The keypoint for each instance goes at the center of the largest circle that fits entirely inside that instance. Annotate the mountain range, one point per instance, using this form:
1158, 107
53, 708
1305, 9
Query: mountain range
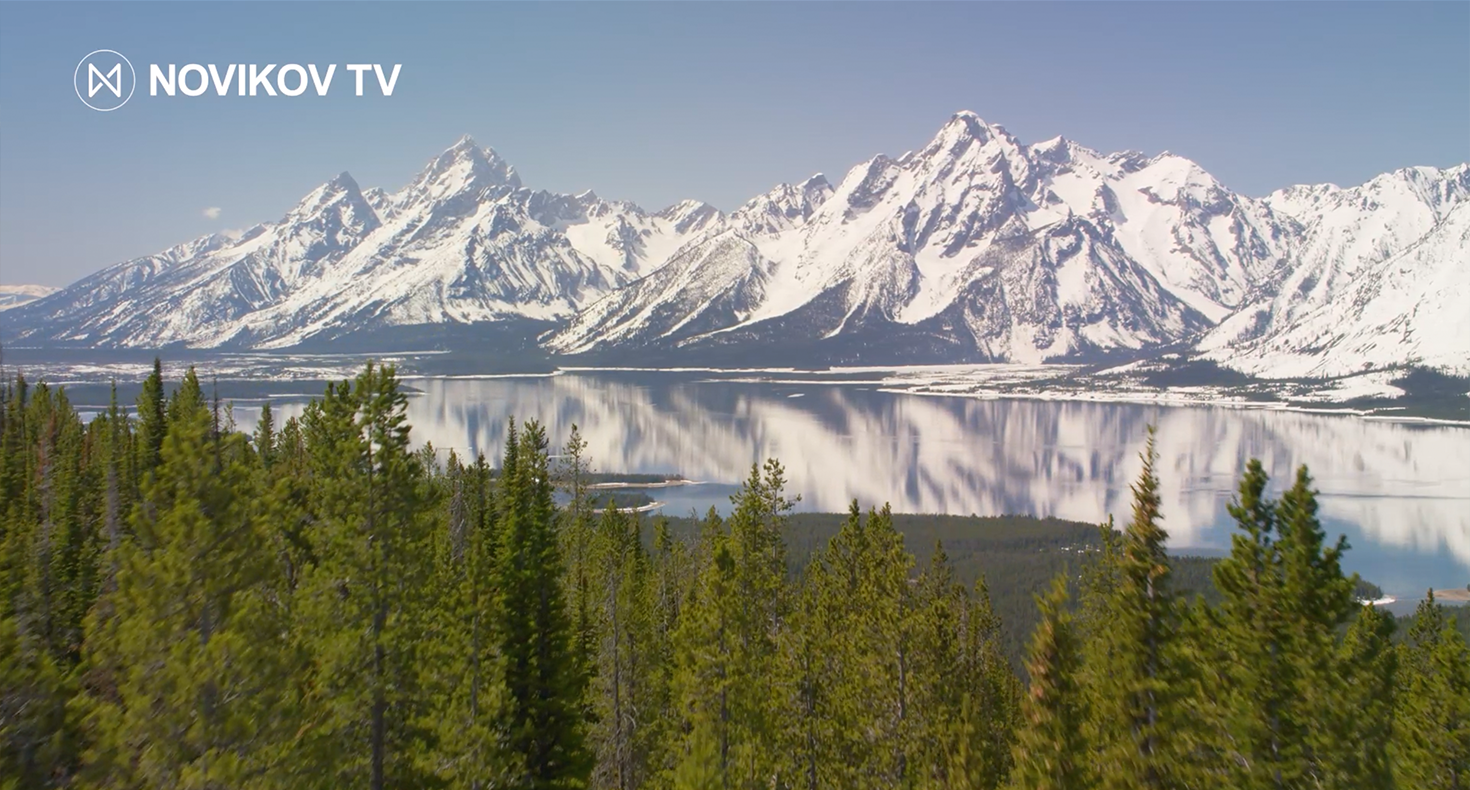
17, 295
976, 247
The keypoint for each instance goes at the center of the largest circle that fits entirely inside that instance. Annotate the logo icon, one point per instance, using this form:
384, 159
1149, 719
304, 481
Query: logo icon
105, 80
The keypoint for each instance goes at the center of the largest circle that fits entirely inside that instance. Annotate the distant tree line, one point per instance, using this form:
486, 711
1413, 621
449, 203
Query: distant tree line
321, 605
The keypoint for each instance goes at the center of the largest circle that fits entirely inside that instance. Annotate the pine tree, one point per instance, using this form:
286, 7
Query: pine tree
265, 436
50, 469
544, 677
702, 680
626, 687
1369, 665
576, 533
1261, 723
151, 420
461, 663
959, 708
1317, 602
989, 711
1431, 729
189, 640
886, 627
1050, 752
669, 584
360, 607
1132, 662
727, 639
819, 665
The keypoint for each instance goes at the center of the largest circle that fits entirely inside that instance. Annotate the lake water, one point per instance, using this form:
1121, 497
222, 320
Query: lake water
1400, 492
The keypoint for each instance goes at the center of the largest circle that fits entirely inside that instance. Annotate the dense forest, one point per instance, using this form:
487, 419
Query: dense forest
322, 605
1017, 557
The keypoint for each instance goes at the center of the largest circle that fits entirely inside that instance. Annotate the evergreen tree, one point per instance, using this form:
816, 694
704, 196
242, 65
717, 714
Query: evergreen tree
626, 684
727, 639
360, 607
669, 584
820, 664
1050, 752
1132, 662
989, 712
1319, 601
189, 641
1369, 665
702, 680
320, 605
1431, 728
1261, 725
265, 436
960, 710
461, 659
544, 677
151, 420
883, 622
50, 469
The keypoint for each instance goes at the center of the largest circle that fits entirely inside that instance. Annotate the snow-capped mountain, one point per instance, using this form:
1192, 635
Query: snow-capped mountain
1380, 277
17, 295
464, 242
975, 247
979, 247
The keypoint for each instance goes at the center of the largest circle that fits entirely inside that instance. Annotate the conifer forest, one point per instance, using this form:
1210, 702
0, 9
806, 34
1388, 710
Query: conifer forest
327, 604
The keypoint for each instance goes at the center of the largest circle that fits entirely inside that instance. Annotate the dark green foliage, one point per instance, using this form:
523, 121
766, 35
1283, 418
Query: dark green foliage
151, 423
1135, 675
1051, 752
544, 679
601, 500
1431, 729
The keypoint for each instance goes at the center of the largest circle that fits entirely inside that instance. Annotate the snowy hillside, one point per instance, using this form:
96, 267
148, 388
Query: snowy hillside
1380, 276
17, 295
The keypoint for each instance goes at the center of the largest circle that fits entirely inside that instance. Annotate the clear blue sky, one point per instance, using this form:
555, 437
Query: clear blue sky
659, 102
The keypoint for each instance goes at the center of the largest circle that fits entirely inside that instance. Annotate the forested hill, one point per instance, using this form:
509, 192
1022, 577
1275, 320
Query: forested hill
322, 605
1016, 556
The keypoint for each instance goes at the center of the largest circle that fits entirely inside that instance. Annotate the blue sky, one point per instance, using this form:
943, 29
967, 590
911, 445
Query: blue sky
719, 102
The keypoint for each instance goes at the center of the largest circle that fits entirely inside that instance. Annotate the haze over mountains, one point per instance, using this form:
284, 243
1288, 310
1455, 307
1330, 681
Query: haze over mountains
975, 247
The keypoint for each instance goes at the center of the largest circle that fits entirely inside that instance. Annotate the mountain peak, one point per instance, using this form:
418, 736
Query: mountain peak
968, 124
344, 180
463, 167
342, 188
960, 133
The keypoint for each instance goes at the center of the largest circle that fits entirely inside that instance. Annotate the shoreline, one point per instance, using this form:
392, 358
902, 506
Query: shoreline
651, 506
975, 381
1166, 398
618, 486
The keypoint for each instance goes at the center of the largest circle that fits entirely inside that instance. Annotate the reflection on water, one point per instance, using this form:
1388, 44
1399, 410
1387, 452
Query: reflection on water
1400, 492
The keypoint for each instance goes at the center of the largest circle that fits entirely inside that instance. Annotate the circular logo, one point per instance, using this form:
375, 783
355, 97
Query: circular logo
105, 80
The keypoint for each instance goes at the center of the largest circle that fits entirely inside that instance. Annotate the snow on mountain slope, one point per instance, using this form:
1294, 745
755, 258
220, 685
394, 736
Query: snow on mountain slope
1205, 244
710, 283
17, 295
975, 247
13, 296
1008, 251
1319, 320
1413, 306
464, 242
